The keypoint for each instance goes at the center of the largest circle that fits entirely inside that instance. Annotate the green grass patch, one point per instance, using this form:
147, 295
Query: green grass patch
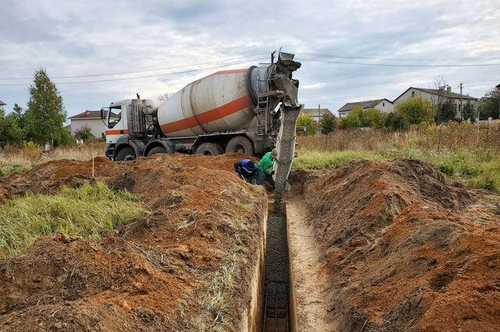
8, 169
474, 169
310, 160
85, 212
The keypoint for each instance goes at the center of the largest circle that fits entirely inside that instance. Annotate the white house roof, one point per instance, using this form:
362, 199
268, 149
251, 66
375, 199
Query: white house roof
363, 104
315, 111
2, 103
439, 92
89, 115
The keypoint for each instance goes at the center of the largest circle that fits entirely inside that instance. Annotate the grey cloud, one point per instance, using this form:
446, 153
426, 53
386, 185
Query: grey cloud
105, 36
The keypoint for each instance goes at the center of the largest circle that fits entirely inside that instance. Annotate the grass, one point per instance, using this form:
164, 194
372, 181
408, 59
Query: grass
17, 159
216, 299
462, 151
85, 212
475, 170
313, 160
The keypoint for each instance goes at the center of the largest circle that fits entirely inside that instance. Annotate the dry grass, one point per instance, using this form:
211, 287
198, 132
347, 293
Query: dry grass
14, 159
465, 152
453, 137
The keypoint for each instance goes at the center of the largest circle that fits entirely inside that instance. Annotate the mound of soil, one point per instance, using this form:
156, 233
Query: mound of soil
187, 266
404, 250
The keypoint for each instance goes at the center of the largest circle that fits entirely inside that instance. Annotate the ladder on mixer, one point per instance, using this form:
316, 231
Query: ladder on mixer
262, 115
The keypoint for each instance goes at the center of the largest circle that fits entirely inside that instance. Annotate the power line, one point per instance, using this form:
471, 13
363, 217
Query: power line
416, 65
129, 78
234, 61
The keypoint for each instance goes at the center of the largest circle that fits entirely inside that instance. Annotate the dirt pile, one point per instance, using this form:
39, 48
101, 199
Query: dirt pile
404, 250
187, 266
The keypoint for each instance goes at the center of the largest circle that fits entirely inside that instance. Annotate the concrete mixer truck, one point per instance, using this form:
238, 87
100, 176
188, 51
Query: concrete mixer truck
236, 110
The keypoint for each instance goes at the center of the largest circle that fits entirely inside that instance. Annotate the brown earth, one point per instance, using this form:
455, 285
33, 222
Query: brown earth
403, 250
187, 266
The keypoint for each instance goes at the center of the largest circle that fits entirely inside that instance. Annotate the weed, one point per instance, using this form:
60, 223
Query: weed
85, 212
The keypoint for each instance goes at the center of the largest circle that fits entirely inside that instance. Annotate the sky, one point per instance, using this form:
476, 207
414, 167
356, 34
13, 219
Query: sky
99, 51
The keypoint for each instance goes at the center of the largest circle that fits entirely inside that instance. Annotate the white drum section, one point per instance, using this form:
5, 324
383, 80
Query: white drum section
216, 103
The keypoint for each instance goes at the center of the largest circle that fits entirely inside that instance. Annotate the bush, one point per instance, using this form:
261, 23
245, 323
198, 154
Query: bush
86, 212
84, 134
446, 111
373, 118
415, 111
10, 133
489, 108
395, 121
327, 123
359, 118
308, 123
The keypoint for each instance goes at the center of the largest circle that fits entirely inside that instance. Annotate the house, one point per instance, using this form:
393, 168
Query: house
89, 119
383, 105
316, 113
2, 103
437, 96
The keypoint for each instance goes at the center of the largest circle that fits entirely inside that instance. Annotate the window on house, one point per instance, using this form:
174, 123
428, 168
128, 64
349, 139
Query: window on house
413, 93
383, 104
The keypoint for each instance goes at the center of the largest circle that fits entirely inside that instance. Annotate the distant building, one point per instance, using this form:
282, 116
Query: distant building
2, 103
316, 113
89, 119
437, 96
383, 105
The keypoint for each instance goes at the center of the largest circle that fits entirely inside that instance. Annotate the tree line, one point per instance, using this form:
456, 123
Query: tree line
410, 112
42, 122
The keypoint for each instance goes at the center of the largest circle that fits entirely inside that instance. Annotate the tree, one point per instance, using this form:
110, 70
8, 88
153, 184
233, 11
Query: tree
17, 116
10, 133
468, 112
84, 134
327, 123
359, 118
490, 105
373, 118
45, 115
395, 121
354, 118
415, 111
308, 123
446, 111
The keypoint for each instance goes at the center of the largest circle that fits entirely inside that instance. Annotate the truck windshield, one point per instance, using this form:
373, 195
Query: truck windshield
114, 115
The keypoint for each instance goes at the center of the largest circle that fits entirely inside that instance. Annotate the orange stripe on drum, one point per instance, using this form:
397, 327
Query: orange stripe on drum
229, 71
116, 132
209, 116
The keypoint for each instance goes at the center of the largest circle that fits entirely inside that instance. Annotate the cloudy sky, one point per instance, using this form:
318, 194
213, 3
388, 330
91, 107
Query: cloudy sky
98, 51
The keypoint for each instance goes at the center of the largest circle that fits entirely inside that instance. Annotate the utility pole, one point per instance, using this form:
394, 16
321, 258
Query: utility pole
461, 106
319, 120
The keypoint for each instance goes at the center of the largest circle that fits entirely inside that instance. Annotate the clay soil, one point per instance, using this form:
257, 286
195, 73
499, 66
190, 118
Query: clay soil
187, 265
401, 249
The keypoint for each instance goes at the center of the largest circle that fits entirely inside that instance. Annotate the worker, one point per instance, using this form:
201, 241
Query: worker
266, 165
247, 170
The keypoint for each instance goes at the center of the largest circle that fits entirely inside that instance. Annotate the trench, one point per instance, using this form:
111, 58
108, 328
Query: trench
278, 308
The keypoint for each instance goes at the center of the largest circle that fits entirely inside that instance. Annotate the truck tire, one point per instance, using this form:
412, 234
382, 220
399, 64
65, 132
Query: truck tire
156, 150
240, 144
125, 154
209, 149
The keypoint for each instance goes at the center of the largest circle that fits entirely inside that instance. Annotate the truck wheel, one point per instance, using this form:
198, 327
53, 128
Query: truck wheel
156, 150
124, 154
209, 149
240, 144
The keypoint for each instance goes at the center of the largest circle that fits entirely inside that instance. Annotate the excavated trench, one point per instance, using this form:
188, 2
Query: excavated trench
278, 308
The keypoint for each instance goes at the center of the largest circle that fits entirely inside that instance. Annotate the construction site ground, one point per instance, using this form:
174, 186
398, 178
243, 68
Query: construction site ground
191, 264
373, 246
398, 249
